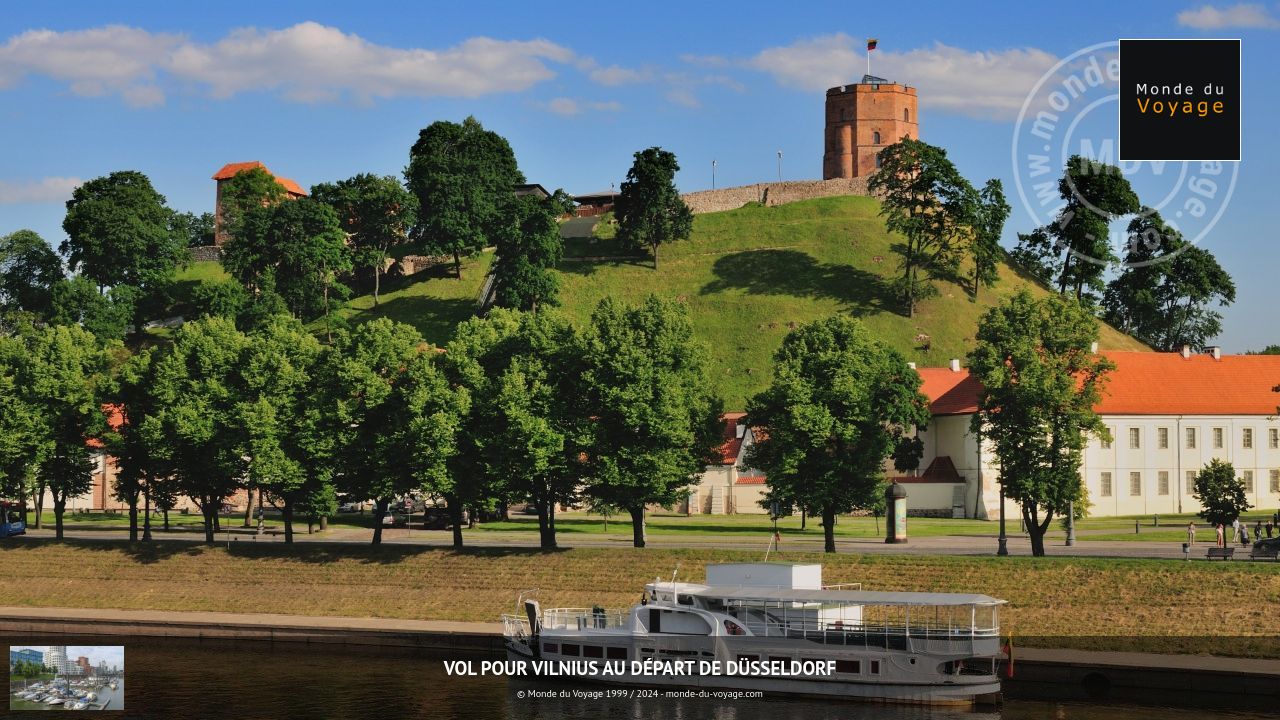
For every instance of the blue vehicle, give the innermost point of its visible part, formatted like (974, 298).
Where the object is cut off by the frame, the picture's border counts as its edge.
(11, 519)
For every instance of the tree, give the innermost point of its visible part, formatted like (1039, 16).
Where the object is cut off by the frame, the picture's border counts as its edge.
(194, 230)
(988, 226)
(654, 421)
(64, 375)
(462, 175)
(294, 250)
(244, 192)
(195, 421)
(23, 432)
(1220, 493)
(649, 209)
(76, 301)
(926, 200)
(529, 246)
(1040, 383)
(28, 271)
(139, 460)
(119, 232)
(376, 213)
(1268, 350)
(523, 437)
(840, 404)
(225, 298)
(1164, 294)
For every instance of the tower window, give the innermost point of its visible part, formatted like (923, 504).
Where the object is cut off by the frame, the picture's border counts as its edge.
(906, 115)
(875, 137)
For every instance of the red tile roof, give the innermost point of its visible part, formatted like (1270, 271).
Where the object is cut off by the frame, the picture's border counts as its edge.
(732, 442)
(115, 418)
(1147, 383)
(750, 480)
(230, 170)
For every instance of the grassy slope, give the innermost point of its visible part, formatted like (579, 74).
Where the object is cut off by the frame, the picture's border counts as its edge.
(1080, 602)
(749, 275)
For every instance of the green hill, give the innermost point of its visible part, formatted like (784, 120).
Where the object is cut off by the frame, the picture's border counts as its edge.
(748, 276)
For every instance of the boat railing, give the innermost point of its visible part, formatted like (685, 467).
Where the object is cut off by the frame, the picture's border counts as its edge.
(887, 635)
(843, 586)
(515, 627)
(584, 619)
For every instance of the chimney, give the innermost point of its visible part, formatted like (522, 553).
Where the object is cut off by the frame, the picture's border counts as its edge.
(1216, 351)
(911, 365)
(1093, 348)
(955, 365)
(1186, 351)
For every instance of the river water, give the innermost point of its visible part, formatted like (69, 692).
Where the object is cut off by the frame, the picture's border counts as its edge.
(251, 680)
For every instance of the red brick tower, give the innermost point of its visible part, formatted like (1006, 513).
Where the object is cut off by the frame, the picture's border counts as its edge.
(862, 120)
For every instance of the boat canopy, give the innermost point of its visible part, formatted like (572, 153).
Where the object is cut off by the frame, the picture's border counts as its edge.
(841, 597)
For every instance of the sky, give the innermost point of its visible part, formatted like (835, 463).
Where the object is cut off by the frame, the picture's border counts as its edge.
(112, 655)
(323, 91)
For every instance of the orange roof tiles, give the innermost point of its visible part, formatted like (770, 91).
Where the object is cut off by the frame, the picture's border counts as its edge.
(732, 442)
(230, 170)
(1146, 383)
(750, 480)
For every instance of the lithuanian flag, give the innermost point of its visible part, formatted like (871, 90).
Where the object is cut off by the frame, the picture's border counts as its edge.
(871, 44)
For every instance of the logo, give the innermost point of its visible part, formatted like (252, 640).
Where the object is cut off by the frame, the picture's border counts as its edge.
(1073, 110)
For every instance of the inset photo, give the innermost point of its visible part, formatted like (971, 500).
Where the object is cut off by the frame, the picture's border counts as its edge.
(66, 677)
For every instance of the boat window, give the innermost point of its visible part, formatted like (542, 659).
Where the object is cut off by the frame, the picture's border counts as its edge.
(748, 658)
(615, 653)
(551, 647)
(592, 651)
(733, 628)
(852, 667)
(686, 600)
(568, 649)
(780, 658)
(875, 667)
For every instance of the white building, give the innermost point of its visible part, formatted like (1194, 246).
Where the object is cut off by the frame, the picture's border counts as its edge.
(1169, 414)
(55, 657)
(730, 487)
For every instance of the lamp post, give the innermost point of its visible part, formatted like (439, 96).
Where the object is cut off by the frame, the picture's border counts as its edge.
(1003, 549)
(1071, 523)
(713, 174)
(779, 166)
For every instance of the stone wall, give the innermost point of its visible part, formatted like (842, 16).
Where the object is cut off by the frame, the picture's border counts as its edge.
(774, 193)
(205, 253)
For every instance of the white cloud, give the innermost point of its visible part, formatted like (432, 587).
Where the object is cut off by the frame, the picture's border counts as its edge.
(1244, 15)
(989, 85)
(615, 75)
(569, 106)
(705, 60)
(307, 62)
(683, 96)
(44, 190)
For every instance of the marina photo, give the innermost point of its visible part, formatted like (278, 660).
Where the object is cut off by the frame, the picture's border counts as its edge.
(66, 677)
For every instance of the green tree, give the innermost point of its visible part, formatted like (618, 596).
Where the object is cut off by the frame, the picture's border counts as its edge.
(23, 432)
(529, 247)
(317, 502)
(28, 271)
(462, 176)
(64, 374)
(649, 209)
(1220, 493)
(226, 298)
(195, 230)
(1165, 293)
(376, 213)
(654, 421)
(119, 232)
(1040, 383)
(294, 250)
(244, 192)
(926, 200)
(139, 461)
(841, 403)
(195, 420)
(1268, 350)
(77, 301)
(523, 437)
(992, 212)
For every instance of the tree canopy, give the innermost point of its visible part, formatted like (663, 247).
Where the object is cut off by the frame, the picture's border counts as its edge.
(529, 247)
(376, 213)
(649, 209)
(1221, 494)
(1040, 383)
(29, 269)
(841, 403)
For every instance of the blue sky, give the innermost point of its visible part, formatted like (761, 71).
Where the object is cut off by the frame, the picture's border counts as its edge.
(112, 655)
(321, 92)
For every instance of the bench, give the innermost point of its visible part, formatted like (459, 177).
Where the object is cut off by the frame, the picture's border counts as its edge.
(1264, 553)
(1222, 553)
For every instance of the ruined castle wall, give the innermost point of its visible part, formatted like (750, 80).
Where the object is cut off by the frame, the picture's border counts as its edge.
(773, 193)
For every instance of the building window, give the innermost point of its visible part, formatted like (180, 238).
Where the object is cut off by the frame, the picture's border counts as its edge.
(1246, 438)
(1191, 481)
(1191, 438)
(1135, 438)
(1217, 438)
(1273, 438)
(906, 115)
(1275, 481)
(875, 667)
(1106, 441)
(1162, 482)
(1248, 481)
(851, 667)
(1135, 483)
(1106, 484)
(876, 137)
(1162, 438)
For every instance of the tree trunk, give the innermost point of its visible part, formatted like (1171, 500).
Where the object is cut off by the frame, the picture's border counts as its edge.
(324, 523)
(1036, 530)
(455, 518)
(146, 519)
(133, 517)
(209, 514)
(546, 527)
(377, 278)
(59, 506)
(248, 507)
(655, 256)
(287, 514)
(457, 264)
(166, 519)
(39, 503)
(803, 517)
(637, 525)
(829, 529)
(379, 512)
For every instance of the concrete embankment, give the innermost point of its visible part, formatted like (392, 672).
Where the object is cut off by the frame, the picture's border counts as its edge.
(1043, 674)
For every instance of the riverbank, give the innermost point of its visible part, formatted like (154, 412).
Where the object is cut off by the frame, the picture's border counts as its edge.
(1085, 603)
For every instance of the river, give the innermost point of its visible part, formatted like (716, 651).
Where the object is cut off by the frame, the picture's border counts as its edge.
(251, 680)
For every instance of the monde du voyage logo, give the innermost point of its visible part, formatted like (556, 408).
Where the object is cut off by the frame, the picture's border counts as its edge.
(1179, 100)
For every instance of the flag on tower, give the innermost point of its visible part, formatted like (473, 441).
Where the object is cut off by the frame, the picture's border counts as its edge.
(871, 44)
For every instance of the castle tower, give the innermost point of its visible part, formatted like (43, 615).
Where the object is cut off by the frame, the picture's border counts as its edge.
(862, 120)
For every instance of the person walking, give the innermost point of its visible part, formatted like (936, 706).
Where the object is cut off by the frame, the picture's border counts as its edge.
(1244, 534)
(1221, 532)
(1191, 534)
(1235, 531)
(1257, 531)
(1270, 527)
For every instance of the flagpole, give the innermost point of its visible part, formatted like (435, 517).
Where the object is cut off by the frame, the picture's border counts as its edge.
(868, 61)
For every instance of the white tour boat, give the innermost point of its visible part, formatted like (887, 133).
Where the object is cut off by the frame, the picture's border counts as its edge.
(778, 618)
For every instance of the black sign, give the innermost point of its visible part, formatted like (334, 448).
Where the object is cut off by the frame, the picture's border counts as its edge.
(1180, 99)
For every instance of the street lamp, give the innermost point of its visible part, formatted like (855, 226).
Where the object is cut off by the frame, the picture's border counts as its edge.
(1071, 523)
(779, 166)
(713, 174)
(1004, 539)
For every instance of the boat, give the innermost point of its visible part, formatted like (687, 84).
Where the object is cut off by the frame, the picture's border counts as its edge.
(78, 705)
(54, 700)
(91, 697)
(776, 628)
(114, 685)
